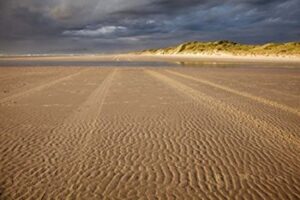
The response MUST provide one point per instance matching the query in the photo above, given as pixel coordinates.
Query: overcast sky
(89, 26)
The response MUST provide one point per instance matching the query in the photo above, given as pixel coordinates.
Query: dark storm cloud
(102, 25)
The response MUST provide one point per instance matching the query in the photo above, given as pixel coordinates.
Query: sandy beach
(149, 132)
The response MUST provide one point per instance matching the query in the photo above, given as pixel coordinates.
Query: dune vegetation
(229, 47)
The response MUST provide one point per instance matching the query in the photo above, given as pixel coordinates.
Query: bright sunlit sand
(149, 100)
(156, 132)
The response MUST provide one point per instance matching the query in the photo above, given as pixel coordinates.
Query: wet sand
(149, 133)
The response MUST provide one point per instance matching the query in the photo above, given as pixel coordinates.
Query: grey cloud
(102, 25)
(102, 31)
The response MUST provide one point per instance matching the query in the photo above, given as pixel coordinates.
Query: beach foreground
(149, 133)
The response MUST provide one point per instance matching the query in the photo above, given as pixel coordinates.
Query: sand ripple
(141, 133)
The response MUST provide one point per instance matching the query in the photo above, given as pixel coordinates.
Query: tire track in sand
(62, 150)
(80, 125)
(234, 113)
(39, 88)
(91, 108)
(73, 143)
(240, 93)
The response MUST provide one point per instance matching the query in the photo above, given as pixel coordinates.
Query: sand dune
(149, 133)
(232, 50)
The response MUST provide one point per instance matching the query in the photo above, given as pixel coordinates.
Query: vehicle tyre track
(243, 94)
(235, 114)
(61, 154)
(39, 88)
(73, 140)
(91, 108)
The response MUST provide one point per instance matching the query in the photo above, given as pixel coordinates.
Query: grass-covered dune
(232, 48)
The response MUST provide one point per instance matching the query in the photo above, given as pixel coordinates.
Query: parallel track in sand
(221, 107)
(244, 94)
(146, 133)
(38, 88)
(75, 135)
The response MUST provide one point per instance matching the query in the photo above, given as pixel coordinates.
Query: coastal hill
(231, 48)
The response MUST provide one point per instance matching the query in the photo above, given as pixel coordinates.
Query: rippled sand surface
(149, 133)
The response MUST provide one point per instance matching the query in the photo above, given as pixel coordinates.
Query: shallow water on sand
(209, 64)
(139, 63)
(41, 63)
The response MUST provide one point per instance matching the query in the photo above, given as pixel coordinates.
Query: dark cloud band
(102, 25)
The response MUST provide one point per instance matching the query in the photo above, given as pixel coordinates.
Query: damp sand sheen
(149, 133)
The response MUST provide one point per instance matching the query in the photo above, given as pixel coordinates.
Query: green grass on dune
(224, 46)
